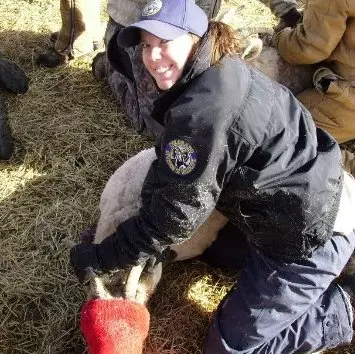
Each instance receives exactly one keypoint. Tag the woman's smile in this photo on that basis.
(165, 60)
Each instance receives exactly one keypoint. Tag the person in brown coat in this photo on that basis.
(326, 36)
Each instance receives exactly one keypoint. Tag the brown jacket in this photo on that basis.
(327, 33)
(326, 36)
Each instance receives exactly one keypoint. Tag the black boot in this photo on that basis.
(51, 59)
(54, 36)
(6, 145)
(12, 77)
(99, 65)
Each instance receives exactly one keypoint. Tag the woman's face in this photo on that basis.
(165, 60)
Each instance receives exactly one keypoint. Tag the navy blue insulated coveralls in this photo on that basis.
(236, 141)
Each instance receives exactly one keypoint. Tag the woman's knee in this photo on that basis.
(326, 324)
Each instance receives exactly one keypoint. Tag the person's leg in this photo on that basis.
(81, 27)
(210, 7)
(306, 335)
(80, 32)
(280, 7)
(12, 77)
(283, 308)
(333, 111)
(285, 10)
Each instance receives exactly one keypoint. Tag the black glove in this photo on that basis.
(292, 17)
(85, 261)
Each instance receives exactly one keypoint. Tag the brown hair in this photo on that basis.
(225, 41)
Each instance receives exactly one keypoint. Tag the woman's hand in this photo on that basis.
(85, 261)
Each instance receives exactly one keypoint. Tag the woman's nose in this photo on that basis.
(155, 53)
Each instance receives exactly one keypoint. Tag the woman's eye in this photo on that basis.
(144, 45)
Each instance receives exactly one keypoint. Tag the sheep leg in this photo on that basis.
(130, 289)
(148, 283)
(119, 201)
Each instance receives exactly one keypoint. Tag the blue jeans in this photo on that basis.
(278, 307)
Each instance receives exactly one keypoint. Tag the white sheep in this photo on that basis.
(121, 199)
(268, 60)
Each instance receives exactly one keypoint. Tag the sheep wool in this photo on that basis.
(115, 326)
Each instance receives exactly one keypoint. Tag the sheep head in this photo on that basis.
(135, 283)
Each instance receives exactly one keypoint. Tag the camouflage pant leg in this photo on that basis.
(111, 29)
(210, 7)
(136, 97)
(280, 7)
(137, 109)
(80, 26)
(126, 12)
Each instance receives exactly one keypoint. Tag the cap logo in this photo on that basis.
(180, 156)
(152, 8)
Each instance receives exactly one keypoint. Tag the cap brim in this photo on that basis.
(130, 36)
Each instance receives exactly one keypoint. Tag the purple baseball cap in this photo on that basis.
(166, 19)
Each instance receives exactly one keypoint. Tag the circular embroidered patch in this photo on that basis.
(152, 8)
(180, 156)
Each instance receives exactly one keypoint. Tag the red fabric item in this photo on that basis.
(116, 326)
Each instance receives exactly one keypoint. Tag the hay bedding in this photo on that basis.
(70, 136)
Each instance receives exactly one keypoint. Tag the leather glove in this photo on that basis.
(292, 17)
(85, 261)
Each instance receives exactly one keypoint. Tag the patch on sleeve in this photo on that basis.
(180, 156)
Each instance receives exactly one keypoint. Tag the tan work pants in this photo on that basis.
(81, 27)
(334, 111)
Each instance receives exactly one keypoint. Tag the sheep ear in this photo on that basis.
(253, 49)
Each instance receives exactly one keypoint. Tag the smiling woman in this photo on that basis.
(165, 59)
(167, 44)
(122, 68)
